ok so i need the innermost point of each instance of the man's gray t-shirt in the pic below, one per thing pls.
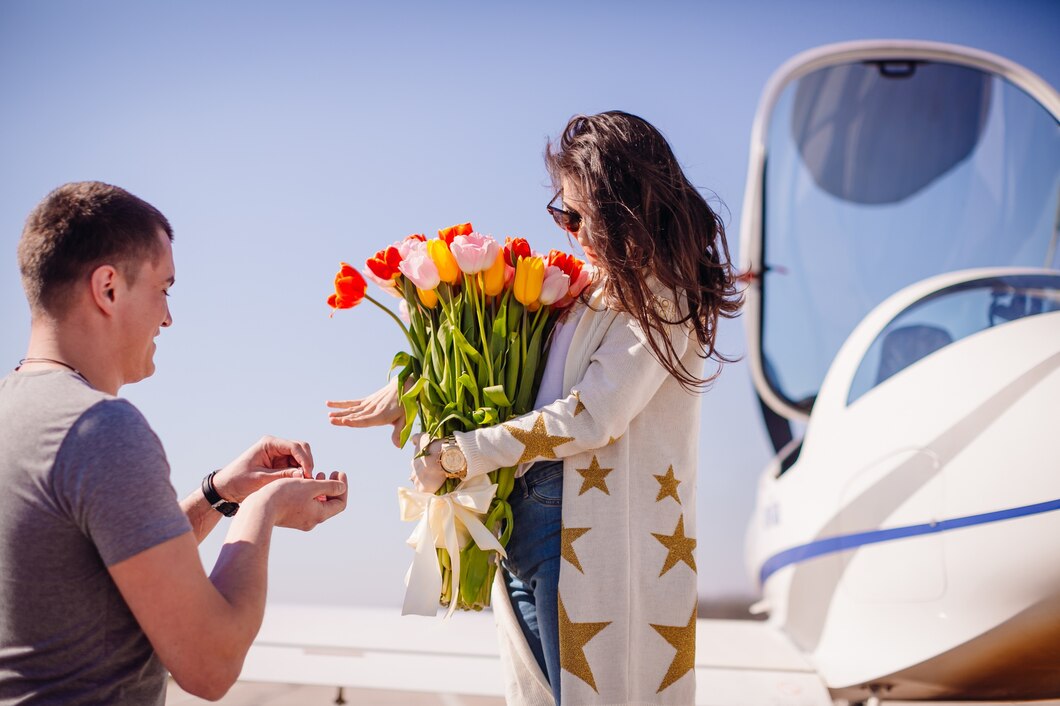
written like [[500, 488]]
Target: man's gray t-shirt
[[84, 484]]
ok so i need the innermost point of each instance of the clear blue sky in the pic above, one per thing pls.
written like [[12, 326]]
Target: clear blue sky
[[281, 138]]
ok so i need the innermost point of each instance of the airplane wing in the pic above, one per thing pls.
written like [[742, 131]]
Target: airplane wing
[[738, 663]]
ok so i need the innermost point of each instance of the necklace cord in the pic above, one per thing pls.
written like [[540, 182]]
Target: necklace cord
[[47, 360]]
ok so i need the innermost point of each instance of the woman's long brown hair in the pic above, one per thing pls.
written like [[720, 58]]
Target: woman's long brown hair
[[645, 218]]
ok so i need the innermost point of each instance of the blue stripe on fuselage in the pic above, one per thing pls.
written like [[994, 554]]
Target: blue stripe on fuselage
[[829, 545]]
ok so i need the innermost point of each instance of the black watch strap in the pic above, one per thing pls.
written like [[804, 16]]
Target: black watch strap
[[218, 503]]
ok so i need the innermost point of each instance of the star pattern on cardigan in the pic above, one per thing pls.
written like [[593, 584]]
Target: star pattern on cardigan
[[683, 638], [678, 547], [668, 486], [594, 477], [537, 442], [573, 638], [580, 407], [568, 535]]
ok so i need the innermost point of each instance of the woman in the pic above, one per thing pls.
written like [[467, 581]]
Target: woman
[[597, 603]]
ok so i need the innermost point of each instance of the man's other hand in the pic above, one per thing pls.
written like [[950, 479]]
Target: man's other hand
[[267, 460]]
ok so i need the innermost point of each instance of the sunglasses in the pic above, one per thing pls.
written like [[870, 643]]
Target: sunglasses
[[569, 221]]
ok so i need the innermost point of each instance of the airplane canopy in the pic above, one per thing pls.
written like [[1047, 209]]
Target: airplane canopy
[[878, 171]]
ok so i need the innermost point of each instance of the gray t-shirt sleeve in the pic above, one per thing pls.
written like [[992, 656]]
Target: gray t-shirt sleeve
[[112, 478]]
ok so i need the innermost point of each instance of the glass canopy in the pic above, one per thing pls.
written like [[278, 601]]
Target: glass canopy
[[879, 174]]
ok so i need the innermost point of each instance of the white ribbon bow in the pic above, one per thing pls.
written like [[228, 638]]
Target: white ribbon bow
[[444, 521]]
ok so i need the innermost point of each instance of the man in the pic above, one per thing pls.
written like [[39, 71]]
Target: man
[[101, 585]]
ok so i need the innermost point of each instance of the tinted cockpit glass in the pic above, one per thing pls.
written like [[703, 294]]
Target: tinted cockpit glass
[[947, 316], [882, 174]]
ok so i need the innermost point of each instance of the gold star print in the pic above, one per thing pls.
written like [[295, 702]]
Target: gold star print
[[683, 638], [572, 640], [668, 486], [568, 536], [538, 442], [678, 547], [594, 477], [612, 440], [580, 407]]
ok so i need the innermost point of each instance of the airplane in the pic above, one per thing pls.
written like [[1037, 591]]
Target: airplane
[[899, 240], [899, 232]]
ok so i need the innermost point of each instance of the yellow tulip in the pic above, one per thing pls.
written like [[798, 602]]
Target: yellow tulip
[[448, 270], [529, 274], [428, 297], [493, 277]]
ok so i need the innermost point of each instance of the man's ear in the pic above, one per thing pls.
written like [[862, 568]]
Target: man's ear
[[104, 282]]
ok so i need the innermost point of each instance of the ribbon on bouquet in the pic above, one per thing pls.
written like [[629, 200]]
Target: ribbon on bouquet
[[444, 521]]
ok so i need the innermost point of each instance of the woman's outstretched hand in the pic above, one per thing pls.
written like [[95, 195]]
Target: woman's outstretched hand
[[377, 409]]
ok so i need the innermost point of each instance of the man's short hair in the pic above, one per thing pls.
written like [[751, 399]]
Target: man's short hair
[[79, 227]]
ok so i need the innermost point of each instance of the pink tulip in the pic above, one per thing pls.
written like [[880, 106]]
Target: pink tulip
[[576, 288], [418, 266], [403, 312], [475, 252], [554, 286]]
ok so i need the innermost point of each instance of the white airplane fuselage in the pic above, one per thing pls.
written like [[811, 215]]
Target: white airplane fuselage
[[915, 543]]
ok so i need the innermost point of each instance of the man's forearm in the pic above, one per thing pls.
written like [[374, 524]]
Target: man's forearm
[[241, 571], [202, 516]]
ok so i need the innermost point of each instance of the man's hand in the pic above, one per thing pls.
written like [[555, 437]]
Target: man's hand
[[377, 409], [270, 458], [427, 473], [303, 503]]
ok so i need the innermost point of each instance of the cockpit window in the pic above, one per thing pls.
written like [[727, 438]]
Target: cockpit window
[[949, 315], [882, 174]]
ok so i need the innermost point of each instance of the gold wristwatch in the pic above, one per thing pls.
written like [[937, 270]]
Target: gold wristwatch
[[452, 459]]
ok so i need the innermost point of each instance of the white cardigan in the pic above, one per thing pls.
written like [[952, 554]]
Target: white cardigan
[[628, 577]]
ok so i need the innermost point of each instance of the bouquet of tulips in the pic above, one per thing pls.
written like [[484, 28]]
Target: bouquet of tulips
[[477, 315]]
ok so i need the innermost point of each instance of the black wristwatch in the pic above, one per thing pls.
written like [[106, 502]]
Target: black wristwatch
[[225, 507]]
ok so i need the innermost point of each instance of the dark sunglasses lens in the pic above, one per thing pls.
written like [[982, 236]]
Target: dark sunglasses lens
[[574, 221], [567, 220]]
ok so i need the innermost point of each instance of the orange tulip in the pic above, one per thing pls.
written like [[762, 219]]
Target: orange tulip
[[447, 234], [448, 270]]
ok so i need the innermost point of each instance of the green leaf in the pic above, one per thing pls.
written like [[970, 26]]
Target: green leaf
[[496, 396], [468, 424], [527, 374], [485, 416], [466, 347], [499, 333], [401, 360], [470, 385], [515, 316], [511, 370]]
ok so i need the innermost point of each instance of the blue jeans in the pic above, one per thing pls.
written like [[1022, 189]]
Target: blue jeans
[[532, 567]]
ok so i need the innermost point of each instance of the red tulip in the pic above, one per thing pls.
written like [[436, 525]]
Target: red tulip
[[384, 264], [349, 289], [514, 249]]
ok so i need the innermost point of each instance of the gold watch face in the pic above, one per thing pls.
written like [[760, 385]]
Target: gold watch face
[[452, 459]]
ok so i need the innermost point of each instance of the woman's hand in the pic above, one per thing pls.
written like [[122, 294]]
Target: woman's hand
[[427, 474], [377, 409]]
